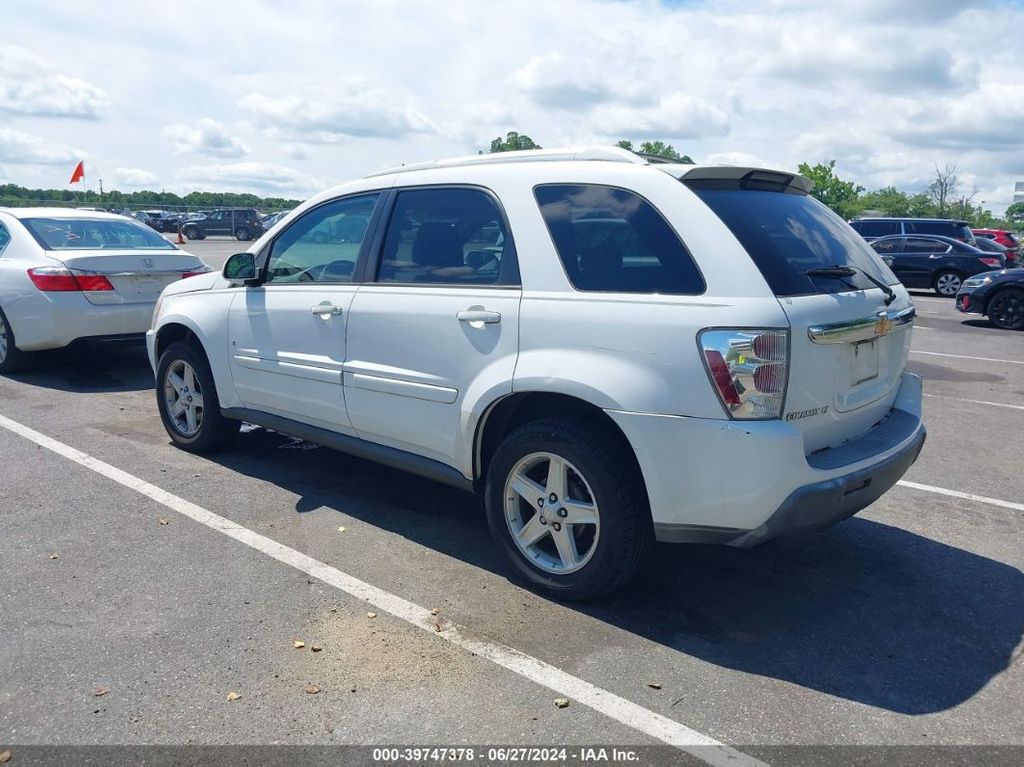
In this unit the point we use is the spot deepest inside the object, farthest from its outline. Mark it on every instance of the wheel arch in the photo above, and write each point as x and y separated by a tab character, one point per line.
511	411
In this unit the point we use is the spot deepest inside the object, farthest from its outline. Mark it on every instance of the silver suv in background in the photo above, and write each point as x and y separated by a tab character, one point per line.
610	351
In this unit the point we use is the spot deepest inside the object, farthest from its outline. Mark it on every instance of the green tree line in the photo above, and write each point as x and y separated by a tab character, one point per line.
945	197
14	196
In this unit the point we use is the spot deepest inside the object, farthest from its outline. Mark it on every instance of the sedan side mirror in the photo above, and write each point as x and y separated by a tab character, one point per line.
240	269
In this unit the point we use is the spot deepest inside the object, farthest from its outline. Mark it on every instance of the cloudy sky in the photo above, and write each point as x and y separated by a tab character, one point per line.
286	98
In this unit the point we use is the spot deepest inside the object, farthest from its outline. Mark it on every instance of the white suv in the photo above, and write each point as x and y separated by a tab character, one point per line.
611	351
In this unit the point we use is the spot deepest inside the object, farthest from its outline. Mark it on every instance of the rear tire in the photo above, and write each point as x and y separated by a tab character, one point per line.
191	232
242	233
947	283
1006	309
597	479
12	359
186	397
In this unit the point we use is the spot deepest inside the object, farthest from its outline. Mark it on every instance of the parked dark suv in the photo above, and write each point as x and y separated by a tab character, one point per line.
240	223
937	263
872	228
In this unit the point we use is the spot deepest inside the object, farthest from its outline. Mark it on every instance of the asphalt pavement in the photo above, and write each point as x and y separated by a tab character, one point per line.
132	604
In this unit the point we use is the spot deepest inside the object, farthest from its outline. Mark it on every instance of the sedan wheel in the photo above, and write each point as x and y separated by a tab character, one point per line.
551	512
11	358
948	284
183	398
1006	310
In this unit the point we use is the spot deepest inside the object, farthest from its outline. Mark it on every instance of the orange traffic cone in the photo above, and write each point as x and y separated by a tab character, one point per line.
181	237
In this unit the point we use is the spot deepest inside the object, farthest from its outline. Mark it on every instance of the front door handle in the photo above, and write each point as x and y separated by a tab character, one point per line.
326	311
478	317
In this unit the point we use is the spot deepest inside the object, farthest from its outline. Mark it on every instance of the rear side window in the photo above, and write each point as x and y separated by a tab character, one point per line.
787	235
612	240
943	228
926	245
5	238
876	228
447	236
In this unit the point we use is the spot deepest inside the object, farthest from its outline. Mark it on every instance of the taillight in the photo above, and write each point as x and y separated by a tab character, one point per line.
59	279
748	368
995	263
196	272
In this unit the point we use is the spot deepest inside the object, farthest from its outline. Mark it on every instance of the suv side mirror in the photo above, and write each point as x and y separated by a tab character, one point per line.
240	269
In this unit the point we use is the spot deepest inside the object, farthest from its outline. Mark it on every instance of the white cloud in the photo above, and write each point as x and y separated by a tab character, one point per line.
348	110
20	148
205	136
557	81
257	177
676	115
30	86
136	177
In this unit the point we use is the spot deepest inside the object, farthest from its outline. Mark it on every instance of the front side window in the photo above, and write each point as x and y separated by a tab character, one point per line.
448	236
323	244
613	240
887	246
94	234
5	238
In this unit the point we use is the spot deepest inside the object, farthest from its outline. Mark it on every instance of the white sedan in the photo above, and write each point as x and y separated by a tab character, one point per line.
68	275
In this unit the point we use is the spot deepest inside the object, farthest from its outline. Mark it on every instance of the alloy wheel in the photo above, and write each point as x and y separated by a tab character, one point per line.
183	398
552	513
1006	311
948	284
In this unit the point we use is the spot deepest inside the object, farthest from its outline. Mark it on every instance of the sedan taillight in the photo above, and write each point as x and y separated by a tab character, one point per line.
748	369
60	279
994	263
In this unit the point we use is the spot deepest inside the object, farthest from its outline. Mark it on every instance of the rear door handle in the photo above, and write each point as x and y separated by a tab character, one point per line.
327	310
479	317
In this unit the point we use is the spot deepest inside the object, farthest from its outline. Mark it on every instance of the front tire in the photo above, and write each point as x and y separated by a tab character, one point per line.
186	397
947	283
566	502
12	359
1006	309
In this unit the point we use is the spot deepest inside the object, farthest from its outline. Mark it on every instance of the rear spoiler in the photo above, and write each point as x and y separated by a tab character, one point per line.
747	178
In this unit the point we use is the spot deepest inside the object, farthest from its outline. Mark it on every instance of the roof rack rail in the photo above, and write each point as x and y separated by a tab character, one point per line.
605	153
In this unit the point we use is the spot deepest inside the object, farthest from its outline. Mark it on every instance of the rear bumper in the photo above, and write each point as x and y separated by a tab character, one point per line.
55	320
823	504
742	483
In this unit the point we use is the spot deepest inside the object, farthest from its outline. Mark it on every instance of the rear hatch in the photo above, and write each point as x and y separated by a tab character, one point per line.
849	338
136	262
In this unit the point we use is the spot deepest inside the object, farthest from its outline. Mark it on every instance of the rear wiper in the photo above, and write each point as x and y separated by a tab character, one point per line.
840	270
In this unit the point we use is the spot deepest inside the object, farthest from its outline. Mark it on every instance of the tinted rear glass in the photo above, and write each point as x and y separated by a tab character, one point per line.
944	228
93	234
612	240
876	228
786	235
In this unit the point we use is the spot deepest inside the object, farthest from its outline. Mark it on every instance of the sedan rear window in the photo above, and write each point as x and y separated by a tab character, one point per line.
93	234
788	234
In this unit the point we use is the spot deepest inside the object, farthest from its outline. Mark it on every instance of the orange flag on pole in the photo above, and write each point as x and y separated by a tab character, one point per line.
79	173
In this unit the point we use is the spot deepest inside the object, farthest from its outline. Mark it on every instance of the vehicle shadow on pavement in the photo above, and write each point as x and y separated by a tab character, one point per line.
109	367
865	611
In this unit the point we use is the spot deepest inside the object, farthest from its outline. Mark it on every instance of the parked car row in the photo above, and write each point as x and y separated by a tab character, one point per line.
938	254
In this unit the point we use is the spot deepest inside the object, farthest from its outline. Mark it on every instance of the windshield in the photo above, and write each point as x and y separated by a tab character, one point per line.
94	233
788	235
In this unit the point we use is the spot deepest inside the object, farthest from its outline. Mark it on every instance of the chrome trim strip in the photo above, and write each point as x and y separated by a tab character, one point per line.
863	328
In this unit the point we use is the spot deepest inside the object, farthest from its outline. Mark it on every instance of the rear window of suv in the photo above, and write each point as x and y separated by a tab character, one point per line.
613	240
788	234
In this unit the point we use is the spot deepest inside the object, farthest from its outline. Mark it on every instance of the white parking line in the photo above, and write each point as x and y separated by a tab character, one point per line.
965	357
632	715
964	496
978	401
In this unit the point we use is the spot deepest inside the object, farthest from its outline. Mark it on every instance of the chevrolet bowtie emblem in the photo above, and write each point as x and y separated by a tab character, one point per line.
883	326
